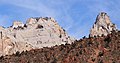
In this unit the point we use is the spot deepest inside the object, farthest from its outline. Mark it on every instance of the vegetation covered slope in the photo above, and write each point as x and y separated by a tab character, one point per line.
105	49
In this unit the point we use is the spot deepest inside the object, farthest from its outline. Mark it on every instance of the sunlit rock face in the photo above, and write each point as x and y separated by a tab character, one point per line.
17	24
35	33
102	26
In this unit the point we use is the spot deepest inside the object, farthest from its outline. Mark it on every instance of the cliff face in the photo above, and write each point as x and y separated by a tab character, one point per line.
102	26
36	33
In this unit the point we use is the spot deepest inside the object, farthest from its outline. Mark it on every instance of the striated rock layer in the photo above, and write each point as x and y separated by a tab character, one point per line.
36	33
102	26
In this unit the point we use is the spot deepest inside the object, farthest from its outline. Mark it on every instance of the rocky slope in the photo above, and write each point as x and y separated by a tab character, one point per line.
102	26
104	49
36	33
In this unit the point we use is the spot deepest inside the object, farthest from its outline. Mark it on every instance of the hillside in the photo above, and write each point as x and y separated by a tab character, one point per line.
105	49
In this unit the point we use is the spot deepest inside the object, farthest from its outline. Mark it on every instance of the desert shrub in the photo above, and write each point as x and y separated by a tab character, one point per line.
20	27
17	53
46	18
25	25
60	36
102	35
63	29
37	18
14	36
93	59
101	54
113	62
80	52
81	46
89	43
100	61
107	41
84	37
54	60
1	57
95	36
73	45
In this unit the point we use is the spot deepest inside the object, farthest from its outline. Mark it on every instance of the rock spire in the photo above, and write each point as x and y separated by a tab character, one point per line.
102	25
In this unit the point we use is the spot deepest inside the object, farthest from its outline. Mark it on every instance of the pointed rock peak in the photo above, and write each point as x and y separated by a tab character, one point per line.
103	18
31	21
102	26
102	14
17	24
38	19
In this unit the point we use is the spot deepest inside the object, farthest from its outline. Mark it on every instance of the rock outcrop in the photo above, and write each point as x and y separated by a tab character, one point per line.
36	33
102	26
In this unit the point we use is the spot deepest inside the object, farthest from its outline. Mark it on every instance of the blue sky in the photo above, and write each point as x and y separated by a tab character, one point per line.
75	16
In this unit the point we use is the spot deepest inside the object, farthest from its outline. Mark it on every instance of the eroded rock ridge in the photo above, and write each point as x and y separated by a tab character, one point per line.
36	33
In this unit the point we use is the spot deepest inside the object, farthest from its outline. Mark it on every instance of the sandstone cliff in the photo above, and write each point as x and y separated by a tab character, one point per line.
102	26
36	33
